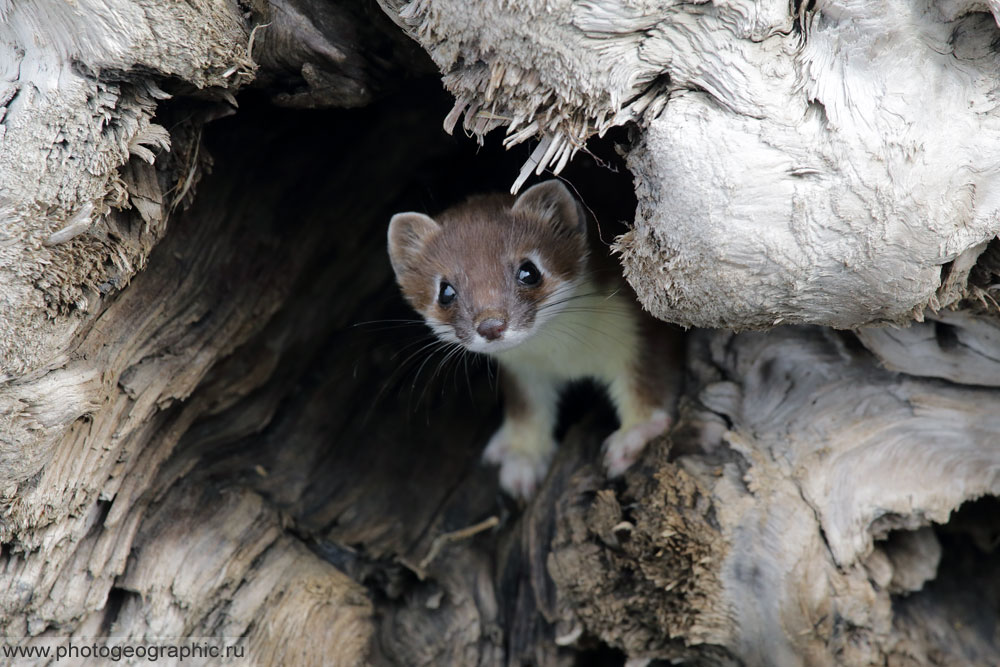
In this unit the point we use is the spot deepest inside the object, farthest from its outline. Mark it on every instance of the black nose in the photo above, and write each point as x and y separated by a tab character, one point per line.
491	328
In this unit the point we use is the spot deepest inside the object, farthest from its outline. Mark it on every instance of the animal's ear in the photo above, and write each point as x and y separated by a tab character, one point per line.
552	202
408	234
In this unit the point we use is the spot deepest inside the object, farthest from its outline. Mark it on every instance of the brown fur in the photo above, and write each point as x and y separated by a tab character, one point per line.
655	371
477	248
541	338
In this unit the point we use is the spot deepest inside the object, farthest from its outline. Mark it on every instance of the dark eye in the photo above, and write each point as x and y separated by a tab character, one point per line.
528	274
446	294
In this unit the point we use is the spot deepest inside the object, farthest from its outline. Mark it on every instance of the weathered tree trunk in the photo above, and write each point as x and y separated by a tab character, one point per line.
219	420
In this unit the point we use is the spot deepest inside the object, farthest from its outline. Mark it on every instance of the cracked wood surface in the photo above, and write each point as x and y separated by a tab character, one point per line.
197	438
790	166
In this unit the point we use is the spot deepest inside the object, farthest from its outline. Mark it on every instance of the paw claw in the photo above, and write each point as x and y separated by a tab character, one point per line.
520	476
523	457
497	448
623	447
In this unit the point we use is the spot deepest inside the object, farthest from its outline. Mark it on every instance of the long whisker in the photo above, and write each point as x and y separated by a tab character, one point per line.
604	308
455	350
455	359
564	329
610	335
442	346
400	369
494	378
468	378
574	297
433	341
387	325
389	321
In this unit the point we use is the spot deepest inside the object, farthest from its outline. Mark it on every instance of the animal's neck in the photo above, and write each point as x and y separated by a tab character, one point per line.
589	327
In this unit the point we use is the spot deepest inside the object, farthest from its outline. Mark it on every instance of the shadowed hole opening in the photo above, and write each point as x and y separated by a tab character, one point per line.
331	409
956	609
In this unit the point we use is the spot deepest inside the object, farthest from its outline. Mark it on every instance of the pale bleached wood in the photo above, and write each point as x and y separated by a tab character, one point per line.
953	345
80	88
91	372
190	442
787	170
761	544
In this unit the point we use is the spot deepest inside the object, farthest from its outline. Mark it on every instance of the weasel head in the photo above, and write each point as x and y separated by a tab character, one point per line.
488	273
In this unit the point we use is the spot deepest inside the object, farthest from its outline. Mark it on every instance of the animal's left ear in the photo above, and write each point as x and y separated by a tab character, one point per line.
408	234
552	202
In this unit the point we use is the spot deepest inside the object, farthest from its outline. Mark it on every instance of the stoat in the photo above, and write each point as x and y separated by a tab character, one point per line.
517	280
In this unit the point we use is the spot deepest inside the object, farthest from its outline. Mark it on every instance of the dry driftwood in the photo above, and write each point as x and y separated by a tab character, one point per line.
91	374
792	165
196	438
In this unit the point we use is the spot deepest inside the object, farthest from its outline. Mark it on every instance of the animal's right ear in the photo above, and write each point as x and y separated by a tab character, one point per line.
551	202
408	234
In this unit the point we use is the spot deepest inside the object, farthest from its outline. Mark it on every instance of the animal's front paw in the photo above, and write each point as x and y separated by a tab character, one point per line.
520	475
498	446
523	452
623	447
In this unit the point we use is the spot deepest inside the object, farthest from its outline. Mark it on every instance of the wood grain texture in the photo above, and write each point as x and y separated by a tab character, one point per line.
81	86
787	169
952	345
224	422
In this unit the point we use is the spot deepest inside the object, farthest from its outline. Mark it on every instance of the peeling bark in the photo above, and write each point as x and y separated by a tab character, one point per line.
214	423
790	165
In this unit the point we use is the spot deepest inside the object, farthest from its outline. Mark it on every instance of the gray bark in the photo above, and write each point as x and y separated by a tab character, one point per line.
793	165
197	440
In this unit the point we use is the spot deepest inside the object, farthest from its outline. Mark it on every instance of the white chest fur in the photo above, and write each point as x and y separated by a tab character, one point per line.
591	336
